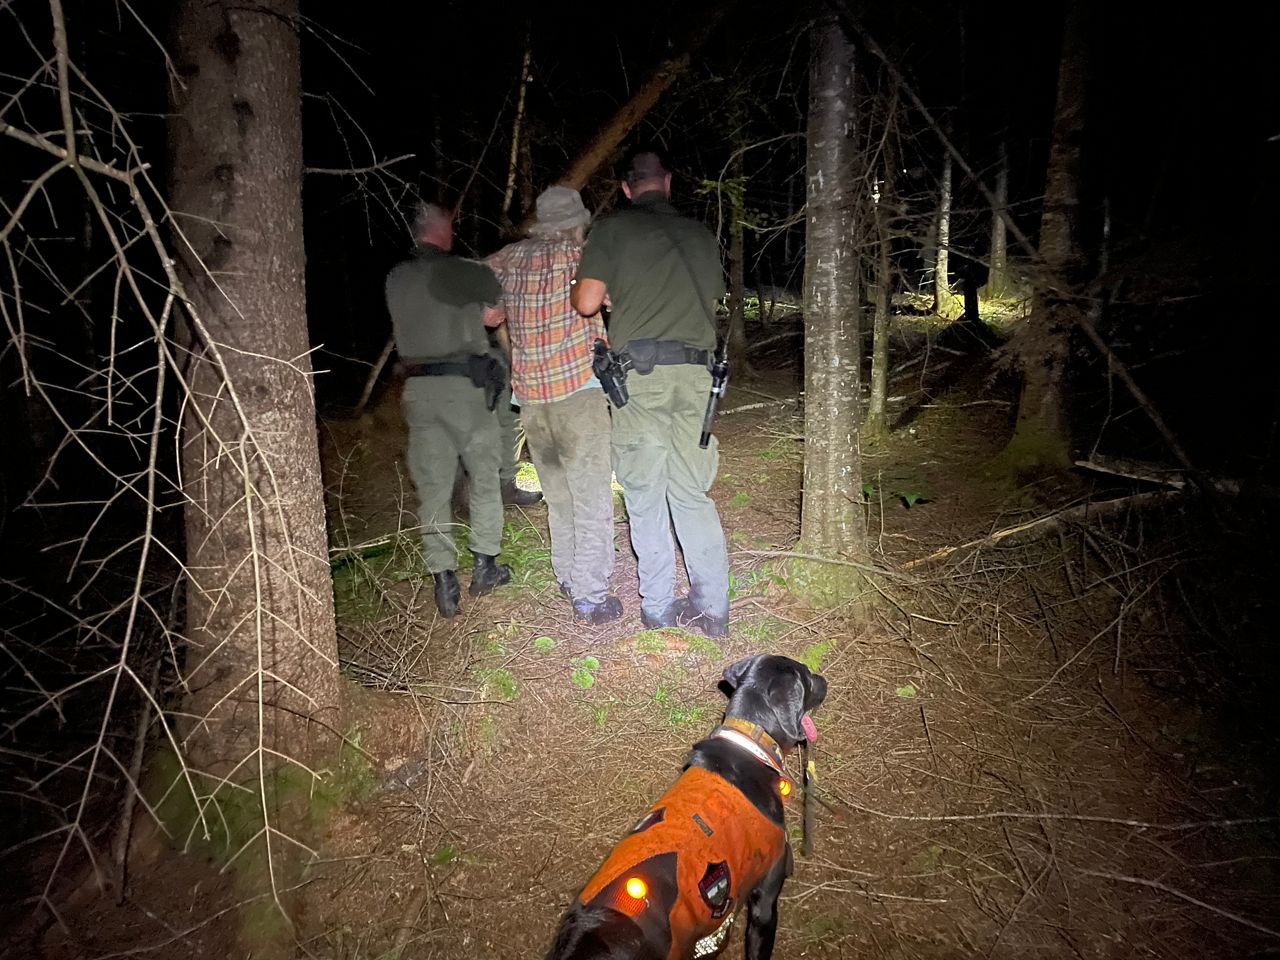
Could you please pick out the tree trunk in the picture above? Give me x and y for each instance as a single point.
(998, 274)
(737, 336)
(876, 424)
(261, 661)
(1041, 434)
(832, 520)
(942, 268)
(517, 129)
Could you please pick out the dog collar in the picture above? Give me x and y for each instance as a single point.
(752, 738)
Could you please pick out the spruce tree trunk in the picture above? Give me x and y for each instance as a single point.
(1041, 437)
(877, 423)
(998, 275)
(261, 662)
(832, 519)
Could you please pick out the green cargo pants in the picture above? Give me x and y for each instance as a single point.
(665, 477)
(448, 419)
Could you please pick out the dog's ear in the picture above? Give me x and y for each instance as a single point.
(786, 695)
(816, 691)
(735, 673)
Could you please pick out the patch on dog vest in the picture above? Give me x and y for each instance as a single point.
(714, 887)
(652, 817)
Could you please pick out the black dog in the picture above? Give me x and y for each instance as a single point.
(716, 839)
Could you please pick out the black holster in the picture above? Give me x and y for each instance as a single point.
(484, 370)
(490, 374)
(611, 372)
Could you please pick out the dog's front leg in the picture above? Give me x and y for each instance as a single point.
(762, 909)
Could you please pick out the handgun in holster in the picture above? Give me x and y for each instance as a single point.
(611, 372)
(719, 383)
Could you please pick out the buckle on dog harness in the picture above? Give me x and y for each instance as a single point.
(751, 738)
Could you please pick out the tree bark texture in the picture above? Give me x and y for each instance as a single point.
(832, 520)
(262, 649)
(942, 269)
(883, 293)
(998, 273)
(1041, 433)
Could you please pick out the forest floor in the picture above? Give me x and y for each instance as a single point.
(1002, 776)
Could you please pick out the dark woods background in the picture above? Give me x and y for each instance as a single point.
(409, 101)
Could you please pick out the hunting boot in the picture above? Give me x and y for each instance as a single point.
(514, 496)
(448, 593)
(486, 575)
(586, 613)
(688, 615)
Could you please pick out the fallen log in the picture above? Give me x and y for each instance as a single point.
(1053, 522)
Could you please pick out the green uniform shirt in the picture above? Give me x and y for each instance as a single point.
(436, 303)
(662, 271)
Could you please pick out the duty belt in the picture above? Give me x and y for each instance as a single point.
(644, 355)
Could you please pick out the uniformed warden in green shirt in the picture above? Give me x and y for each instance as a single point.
(440, 308)
(661, 275)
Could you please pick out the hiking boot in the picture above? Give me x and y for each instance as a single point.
(688, 615)
(666, 619)
(514, 496)
(586, 613)
(565, 591)
(448, 593)
(486, 575)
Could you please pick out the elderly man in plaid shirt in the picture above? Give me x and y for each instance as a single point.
(565, 412)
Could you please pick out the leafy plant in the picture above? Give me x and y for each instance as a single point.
(673, 711)
(530, 557)
(544, 644)
(753, 582)
(583, 674)
(445, 855)
(739, 499)
(813, 655)
(906, 690)
(501, 683)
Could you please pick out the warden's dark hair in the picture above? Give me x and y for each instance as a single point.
(645, 162)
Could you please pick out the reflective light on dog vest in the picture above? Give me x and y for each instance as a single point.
(637, 889)
(784, 787)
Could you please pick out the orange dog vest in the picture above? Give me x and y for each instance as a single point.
(723, 847)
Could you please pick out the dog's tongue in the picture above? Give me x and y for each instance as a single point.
(810, 730)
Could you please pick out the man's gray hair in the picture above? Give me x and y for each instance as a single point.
(429, 216)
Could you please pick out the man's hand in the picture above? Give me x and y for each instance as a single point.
(587, 296)
(503, 335)
(493, 316)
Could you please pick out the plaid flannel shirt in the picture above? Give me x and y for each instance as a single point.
(550, 341)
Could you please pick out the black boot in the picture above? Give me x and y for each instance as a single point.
(486, 575)
(586, 613)
(688, 615)
(513, 496)
(448, 593)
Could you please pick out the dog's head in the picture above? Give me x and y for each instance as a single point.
(775, 692)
